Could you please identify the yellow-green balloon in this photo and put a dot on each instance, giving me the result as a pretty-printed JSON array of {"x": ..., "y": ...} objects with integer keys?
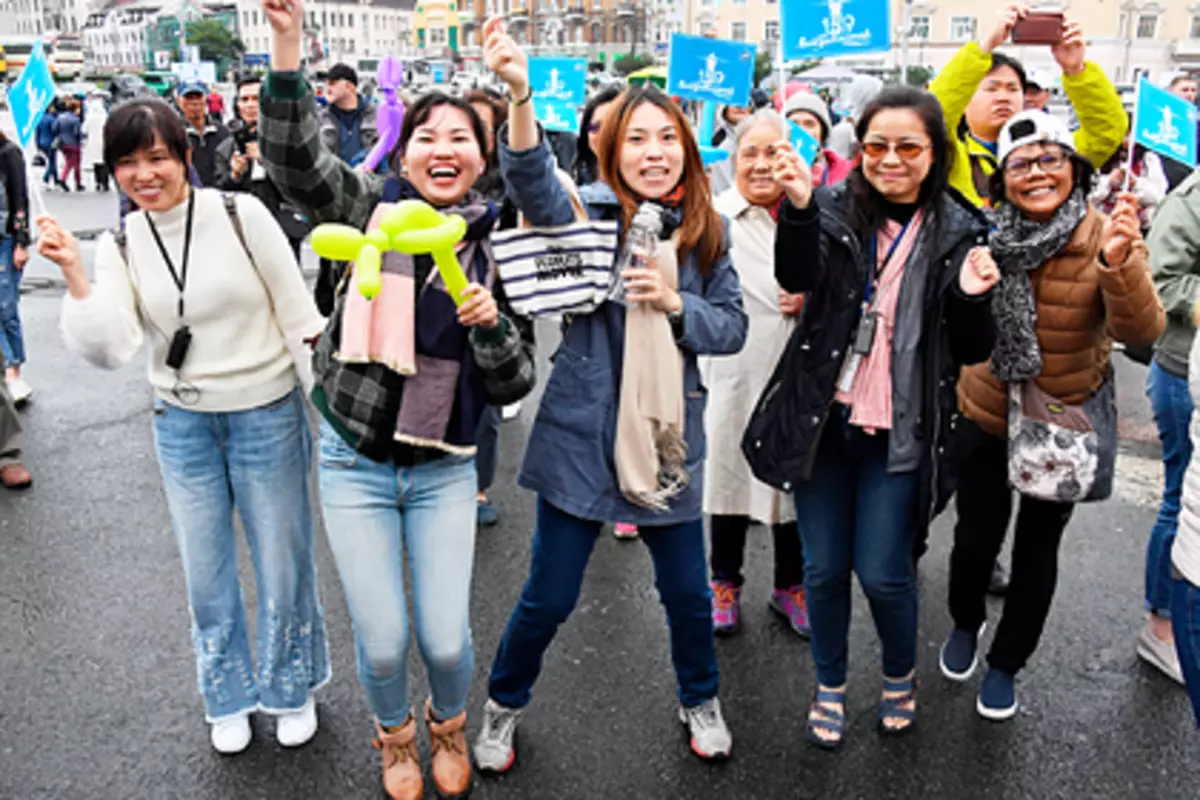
[
  {"x": 338, "y": 242},
  {"x": 367, "y": 273},
  {"x": 417, "y": 227}
]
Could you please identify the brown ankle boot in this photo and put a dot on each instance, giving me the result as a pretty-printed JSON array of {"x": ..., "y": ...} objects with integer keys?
[
  {"x": 401, "y": 762},
  {"x": 448, "y": 747}
]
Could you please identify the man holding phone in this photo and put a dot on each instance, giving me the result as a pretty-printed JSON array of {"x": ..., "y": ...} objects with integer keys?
[{"x": 980, "y": 90}]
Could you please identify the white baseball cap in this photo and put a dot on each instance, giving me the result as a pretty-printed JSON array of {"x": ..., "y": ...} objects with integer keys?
[
  {"x": 1041, "y": 78},
  {"x": 1033, "y": 127}
]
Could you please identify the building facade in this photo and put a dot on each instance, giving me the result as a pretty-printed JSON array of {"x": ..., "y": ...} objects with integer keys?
[
  {"x": 42, "y": 17},
  {"x": 600, "y": 30},
  {"x": 346, "y": 32}
]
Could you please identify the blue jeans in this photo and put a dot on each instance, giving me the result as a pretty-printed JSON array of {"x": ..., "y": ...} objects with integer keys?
[
  {"x": 12, "y": 342},
  {"x": 1172, "y": 405},
  {"x": 51, "y": 173},
  {"x": 375, "y": 513},
  {"x": 487, "y": 439},
  {"x": 1185, "y": 624},
  {"x": 855, "y": 516},
  {"x": 257, "y": 462},
  {"x": 562, "y": 545}
]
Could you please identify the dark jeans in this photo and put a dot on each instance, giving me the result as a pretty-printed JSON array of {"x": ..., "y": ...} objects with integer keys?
[
  {"x": 855, "y": 516},
  {"x": 1172, "y": 406},
  {"x": 562, "y": 545},
  {"x": 51, "y": 173},
  {"x": 100, "y": 174},
  {"x": 1185, "y": 623},
  {"x": 487, "y": 439},
  {"x": 729, "y": 548},
  {"x": 984, "y": 503}
]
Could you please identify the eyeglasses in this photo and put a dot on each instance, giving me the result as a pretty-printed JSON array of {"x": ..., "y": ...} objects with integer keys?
[
  {"x": 906, "y": 150},
  {"x": 1050, "y": 161}
]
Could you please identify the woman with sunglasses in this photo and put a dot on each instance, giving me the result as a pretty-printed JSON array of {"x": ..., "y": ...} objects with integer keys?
[
  {"x": 619, "y": 433},
  {"x": 586, "y": 171},
  {"x": 855, "y": 420},
  {"x": 1071, "y": 278}
]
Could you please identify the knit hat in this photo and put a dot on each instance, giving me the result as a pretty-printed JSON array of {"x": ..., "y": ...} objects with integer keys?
[
  {"x": 1033, "y": 127},
  {"x": 805, "y": 101}
]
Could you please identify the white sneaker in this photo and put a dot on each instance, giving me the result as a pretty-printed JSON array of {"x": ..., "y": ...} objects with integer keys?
[
  {"x": 511, "y": 411},
  {"x": 297, "y": 727},
  {"x": 711, "y": 738},
  {"x": 494, "y": 748},
  {"x": 231, "y": 735},
  {"x": 20, "y": 390},
  {"x": 1159, "y": 653}
]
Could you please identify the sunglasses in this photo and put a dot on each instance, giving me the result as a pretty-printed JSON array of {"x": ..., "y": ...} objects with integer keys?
[
  {"x": 594, "y": 127},
  {"x": 1050, "y": 161},
  {"x": 907, "y": 151}
]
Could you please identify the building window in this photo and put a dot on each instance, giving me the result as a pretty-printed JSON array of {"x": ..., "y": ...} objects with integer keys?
[
  {"x": 919, "y": 29},
  {"x": 437, "y": 36},
  {"x": 246, "y": 18},
  {"x": 1194, "y": 31},
  {"x": 771, "y": 30},
  {"x": 351, "y": 48},
  {"x": 737, "y": 31},
  {"x": 1147, "y": 26},
  {"x": 962, "y": 29}
]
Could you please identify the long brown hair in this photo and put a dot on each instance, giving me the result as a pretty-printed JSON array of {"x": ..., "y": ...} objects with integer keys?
[{"x": 702, "y": 231}]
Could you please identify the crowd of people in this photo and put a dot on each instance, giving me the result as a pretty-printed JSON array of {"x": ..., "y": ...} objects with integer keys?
[{"x": 833, "y": 350}]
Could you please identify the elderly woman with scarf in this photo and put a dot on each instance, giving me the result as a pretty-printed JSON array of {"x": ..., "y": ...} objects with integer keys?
[
  {"x": 733, "y": 498},
  {"x": 619, "y": 433},
  {"x": 1071, "y": 279},
  {"x": 401, "y": 383}
]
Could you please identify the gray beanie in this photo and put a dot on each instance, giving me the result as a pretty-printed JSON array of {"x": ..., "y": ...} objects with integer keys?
[{"x": 813, "y": 104}]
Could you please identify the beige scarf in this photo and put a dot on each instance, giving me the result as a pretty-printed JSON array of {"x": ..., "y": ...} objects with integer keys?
[{"x": 651, "y": 452}]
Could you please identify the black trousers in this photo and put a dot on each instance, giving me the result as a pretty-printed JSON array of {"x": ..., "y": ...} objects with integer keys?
[
  {"x": 729, "y": 549},
  {"x": 100, "y": 173},
  {"x": 985, "y": 504}
]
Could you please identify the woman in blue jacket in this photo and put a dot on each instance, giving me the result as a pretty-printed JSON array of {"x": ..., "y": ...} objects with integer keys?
[
  {"x": 47, "y": 130},
  {"x": 583, "y": 460}
]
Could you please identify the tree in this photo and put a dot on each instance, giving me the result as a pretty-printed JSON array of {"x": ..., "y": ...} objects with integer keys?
[
  {"x": 764, "y": 65},
  {"x": 628, "y": 64},
  {"x": 215, "y": 41},
  {"x": 919, "y": 76}
]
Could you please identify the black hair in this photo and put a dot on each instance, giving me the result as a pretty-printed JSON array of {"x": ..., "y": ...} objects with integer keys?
[
  {"x": 1178, "y": 79},
  {"x": 1082, "y": 171},
  {"x": 342, "y": 72},
  {"x": 868, "y": 201},
  {"x": 1000, "y": 61},
  {"x": 132, "y": 125},
  {"x": 420, "y": 112},
  {"x": 585, "y": 158},
  {"x": 246, "y": 80}
]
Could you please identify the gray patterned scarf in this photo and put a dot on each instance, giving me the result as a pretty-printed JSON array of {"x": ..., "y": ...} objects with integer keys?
[{"x": 1021, "y": 245}]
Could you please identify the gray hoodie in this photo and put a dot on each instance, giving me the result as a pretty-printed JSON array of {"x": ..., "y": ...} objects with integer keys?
[{"x": 850, "y": 104}]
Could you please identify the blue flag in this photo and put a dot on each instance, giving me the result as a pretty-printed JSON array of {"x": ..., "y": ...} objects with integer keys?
[
  {"x": 1165, "y": 124},
  {"x": 822, "y": 28},
  {"x": 804, "y": 143},
  {"x": 555, "y": 116},
  {"x": 559, "y": 80},
  {"x": 712, "y": 70},
  {"x": 31, "y": 94}
]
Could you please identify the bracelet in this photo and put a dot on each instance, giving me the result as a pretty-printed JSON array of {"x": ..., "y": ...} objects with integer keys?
[{"x": 528, "y": 96}]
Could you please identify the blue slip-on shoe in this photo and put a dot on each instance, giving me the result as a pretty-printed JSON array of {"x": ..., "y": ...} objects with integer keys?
[
  {"x": 960, "y": 654},
  {"x": 486, "y": 513},
  {"x": 998, "y": 697}
]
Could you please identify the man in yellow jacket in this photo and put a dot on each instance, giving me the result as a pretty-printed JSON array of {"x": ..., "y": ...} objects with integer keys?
[{"x": 980, "y": 90}]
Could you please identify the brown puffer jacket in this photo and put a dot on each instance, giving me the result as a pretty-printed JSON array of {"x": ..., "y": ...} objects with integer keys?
[{"x": 1080, "y": 305}]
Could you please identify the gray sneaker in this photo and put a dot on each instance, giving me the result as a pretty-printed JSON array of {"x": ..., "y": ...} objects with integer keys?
[
  {"x": 711, "y": 739},
  {"x": 494, "y": 748},
  {"x": 1159, "y": 653}
]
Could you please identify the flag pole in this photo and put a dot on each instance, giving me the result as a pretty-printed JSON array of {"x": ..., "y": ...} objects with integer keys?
[{"x": 1137, "y": 102}]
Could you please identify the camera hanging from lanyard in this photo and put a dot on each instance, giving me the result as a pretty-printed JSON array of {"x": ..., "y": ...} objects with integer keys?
[
  {"x": 868, "y": 322},
  {"x": 182, "y": 340}
]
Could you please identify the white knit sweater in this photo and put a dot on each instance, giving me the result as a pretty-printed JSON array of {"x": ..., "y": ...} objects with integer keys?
[
  {"x": 245, "y": 323},
  {"x": 1185, "y": 553}
]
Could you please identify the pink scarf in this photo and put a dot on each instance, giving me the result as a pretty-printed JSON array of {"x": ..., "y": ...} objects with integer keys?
[{"x": 870, "y": 396}]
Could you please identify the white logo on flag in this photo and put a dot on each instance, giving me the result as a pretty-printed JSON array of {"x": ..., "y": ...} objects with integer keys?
[
  {"x": 1168, "y": 134},
  {"x": 710, "y": 79},
  {"x": 36, "y": 102},
  {"x": 839, "y": 29},
  {"x": 555, "y": 88}
]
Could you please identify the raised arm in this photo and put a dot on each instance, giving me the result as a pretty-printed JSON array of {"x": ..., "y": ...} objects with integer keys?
[
  {"x": 305, "y": 171},
  {"x": 798, "y": 262},
  {"x": 1103, "y": 122},
  {"x": 955, "y": 85}
]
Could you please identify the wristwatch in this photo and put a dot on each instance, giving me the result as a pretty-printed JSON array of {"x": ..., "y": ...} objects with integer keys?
[{"x": 676, "y": 320}]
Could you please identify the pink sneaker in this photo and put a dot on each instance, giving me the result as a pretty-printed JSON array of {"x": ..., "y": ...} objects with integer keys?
[
  {"x": 794, "y": 608},
  {"x": 624, "y": 530},
  {"x": 726, "y": 608}
]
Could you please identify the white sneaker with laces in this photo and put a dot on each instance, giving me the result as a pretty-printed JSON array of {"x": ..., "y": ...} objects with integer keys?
[
  {"x": 20, "y": 390},
  {"x": 231, "y": 735},
  {"x": 1159, "y": 653},
  {"x": 711, "y": 738},
  {"x": 297, "y": 727},
  {"x": 494, "y": 748}
]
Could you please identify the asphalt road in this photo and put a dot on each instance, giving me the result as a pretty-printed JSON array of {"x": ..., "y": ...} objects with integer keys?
[{"x": 98, "y": 695}]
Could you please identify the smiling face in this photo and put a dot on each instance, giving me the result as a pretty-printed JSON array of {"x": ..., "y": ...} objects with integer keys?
[
  {"x": 997, "y": 99},
  {"x": 651, "y": 153},
  {"x": 443, "y": 159},
  {"x": 152, "y": 177},
  {"x": 1038, "y": 178},
  {"x": 752, "y": 168},
  {"x": 897, "y": 154}
]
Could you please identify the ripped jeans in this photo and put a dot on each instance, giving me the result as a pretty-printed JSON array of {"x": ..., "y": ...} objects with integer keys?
[{"x": 258, "y": 462}]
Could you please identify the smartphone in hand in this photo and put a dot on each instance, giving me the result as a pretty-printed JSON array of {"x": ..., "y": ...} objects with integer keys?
[{"x": 1039, "y": 27}]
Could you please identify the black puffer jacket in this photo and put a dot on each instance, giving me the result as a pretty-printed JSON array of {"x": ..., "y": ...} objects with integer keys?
[{"x": 820, "y": 253}]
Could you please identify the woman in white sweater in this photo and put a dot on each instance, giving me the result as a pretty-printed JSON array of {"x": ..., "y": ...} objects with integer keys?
[
  {"x": 213, "y": 286},
  {"x": 1185, "y": 552}
]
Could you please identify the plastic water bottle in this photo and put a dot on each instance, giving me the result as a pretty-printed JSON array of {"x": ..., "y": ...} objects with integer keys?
[{"x": 641, "y": 242}]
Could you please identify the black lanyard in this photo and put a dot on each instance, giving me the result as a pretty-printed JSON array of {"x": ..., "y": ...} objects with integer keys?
[
  {"x": 878, "y": 269},
  {"x": 179, "y": 277}
]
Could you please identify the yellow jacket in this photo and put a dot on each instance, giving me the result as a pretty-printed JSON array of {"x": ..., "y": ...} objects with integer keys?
[{"x": 1103, "y": 122}]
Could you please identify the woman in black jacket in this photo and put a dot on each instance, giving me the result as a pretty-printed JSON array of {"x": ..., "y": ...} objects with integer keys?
[{"x": 854, "y": 421}]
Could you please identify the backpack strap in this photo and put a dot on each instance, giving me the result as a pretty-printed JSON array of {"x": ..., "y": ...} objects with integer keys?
[{"x": 236, "y": 220}]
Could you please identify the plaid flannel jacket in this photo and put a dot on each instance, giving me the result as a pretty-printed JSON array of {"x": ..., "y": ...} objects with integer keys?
[{"x": 359, "y": 399}]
